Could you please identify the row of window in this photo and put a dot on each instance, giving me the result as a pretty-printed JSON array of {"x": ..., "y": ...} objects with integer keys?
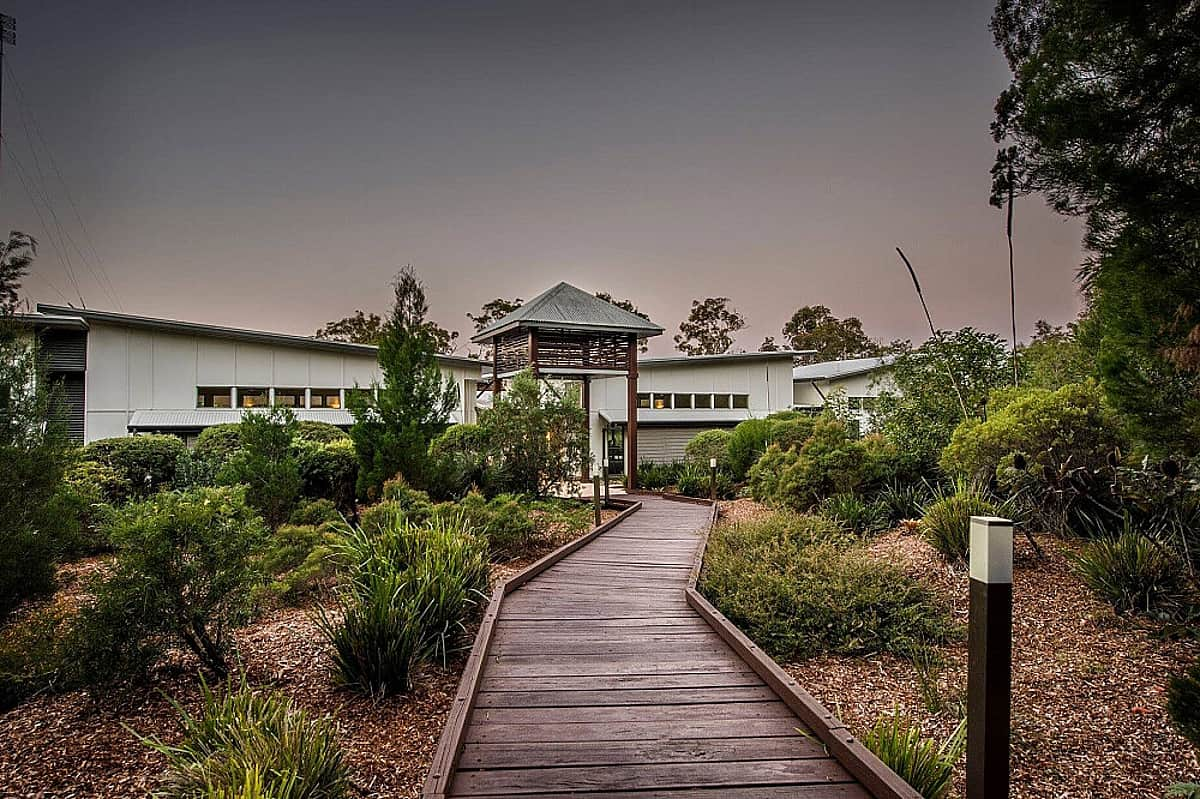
[
  {"x": 258, "y": 397},
  {"x": 662, "y": 401}
]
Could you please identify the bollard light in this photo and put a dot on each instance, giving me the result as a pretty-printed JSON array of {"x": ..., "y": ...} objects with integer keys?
[
  {"x": 712, "y": 479},
  {"x": 989, "y": 658}
]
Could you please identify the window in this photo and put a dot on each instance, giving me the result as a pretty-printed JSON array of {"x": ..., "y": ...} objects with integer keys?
[
  {"x": 213, "y": 397},
  {"x": 252, "y": 397},
  {"x": 643, "y": 400},
  {"x": 721, "y": 401},
  {"x": 703, "y": 401},
  {"x": 289, "y": 397},
  {"x": 741, "y": 401},
  {"x": 326, "y": 398},
  {"x": 683, "y": 400},
  {"x": 861, "y": 403},
  {"x": 660, "y": 401}
]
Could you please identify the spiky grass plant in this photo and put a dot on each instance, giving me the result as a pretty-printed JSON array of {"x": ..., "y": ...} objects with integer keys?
[
  {"x": 946, "y": 522},
  {"x": 855, "y": 514},
  {"x": 246, "y": 744},
  {"x": 1135, "y": 573},
  {"x": 921, "y": 762}
]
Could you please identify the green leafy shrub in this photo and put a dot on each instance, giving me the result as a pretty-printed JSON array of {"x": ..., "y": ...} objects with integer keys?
[
  {"x": 657, "y": 476},
  {"x": 1047, "y": 427},
  {"x": 946, "y": 522},
  {"x": 299, "y": 560},
  {"x": 412, "y": 500},
  {"x": 502, "y": 521},
  {"x": 320, "y": 432},
  {"x": 695, "y": 480},
  {"x": 193, "y": 471},
  {"x": 409, "y": 593},
  {"x": 265, "y": 464},
  {"x": 185, "y": 566},
  {"x": 459, "y": 463},
  {"x": 921, "y": 762},
  {"x": 1183, "y": 704},
  {"x": 855, "y": 514},
  {"x": 315, "y": 512},
  {"x": 32, "y": 654},
  {"x": 374, "y": 518},
  {"x": 328, "y": 471},
  {"x": 249, "y": 744},
  {"x": 799, "y": 587},
  {"x": 145, "y": 462},
  {"x": 81, "y": 513},
  {"x": 98, "y": 481},
  {"x": 707, "y": 445},
  {"x": 1134, "y": 573},
  {"x": 218, "y": 443},
  {"x": 789, "y": 430},
  {"x": 747, "y": 442}
]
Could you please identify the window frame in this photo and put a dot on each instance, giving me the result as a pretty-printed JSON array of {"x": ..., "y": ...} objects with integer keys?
[
  {"x": 245, "y": 391},
  {"x": 213, "y": 392}
]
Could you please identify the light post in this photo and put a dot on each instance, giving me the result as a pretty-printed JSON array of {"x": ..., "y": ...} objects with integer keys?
[
  {"x": 712, "y": 479},
  {"x": 989, "y": 658}
]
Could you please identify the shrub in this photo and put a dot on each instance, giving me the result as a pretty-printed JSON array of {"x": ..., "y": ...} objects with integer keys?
[
  {"x": 409, "y": 593},
  {"x": 855, "y": 514},
  {"x": 31, "y": 526},
  {"x": 747, "y": 443},
  {"x": 1134, "y": 573},
  {"x": 265, "y": 464},
  {"x": 1048, "y": 427},
  {"x": 695, "y": 480},
  {"x": 799, "y": 588},
  {"x": 904, "y": 500},
  {"x": 790, "y": 430},
  {"x": 298, "y": 557},
  {"x": 921, "y": 762},
  {"x": 410, "y": 499},
  {"x": 217, "y": 444},
  {"x": 32, "y": 656},
  {"x": 329, "y": 471},
  {"x": 249, "y": 744},
  {"x": 458, "y": 462},
  {"x": 81, "y": 514},
  {"x": 146, "y": 462},
  {"x": 1183, "y": 704},
  {"x": 185, "y": 565},
  {"x": 315, "y": 512},
  {"x": 375, "y": 518},
  {"x": 320, "y": 432},
  {"x": 657, "y": 476},
  {"x": 946, "y": 522},
  {"x": 708, "y": 445},
  {"x": 502, "y": 521},
  {"x": 96, "y": 480}
]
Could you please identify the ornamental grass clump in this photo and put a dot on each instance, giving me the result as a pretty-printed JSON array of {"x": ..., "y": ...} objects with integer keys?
[
  {"x": 855, "y": 514},
  {"x": 921, "y": 762},
  {"x": 1135, "y": 573},
  {"x": 946, "y": 523},
  {"x": 245, "y": 744}
]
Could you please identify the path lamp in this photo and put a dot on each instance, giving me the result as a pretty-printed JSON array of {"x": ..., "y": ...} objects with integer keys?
[
  {"x": 712, "y": 479},
  {"x": 604, "y": 475},
  {"x": 596, "y": 495},
  {"x": 989, "y": 658}
]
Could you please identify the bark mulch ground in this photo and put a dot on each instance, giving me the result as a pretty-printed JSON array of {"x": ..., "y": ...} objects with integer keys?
[
  {"x": 75, "y": 745},
  {"x": 1089, "y": 687}
]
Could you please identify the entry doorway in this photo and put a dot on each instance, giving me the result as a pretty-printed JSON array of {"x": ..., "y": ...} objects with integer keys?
[{"x": 614, "y": 448}]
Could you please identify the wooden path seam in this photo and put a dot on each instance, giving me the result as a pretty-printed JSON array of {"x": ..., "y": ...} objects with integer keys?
[{"x": 600, "y": 671}]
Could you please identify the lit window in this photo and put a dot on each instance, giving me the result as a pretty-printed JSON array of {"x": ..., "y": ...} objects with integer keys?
[
  {"x": 213, "y": 397},
  {"x": 741, "y": 401},
  {"x": 643, "y": 400},
  {"x": 703, "y": 401},
  {"x": 289, "y": 397},
  {"x": 661, "y": 401},
  {"x": 721, "y": 401},
  {"x": 326, "y": 398},
  {"x": 252, "y": 397},
  {"x": 683, "y": 400}
]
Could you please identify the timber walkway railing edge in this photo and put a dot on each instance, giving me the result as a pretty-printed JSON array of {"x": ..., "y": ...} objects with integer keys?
[
  {"x": 445, "y": 760},
  {"x": 861, "y": 762}
]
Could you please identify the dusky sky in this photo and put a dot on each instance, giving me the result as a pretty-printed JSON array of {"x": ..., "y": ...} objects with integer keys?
[{"x": 270, "y": 164}]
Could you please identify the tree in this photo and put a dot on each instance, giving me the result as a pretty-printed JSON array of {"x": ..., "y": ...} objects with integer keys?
[
  {"x": 34, "y": 448},
  {"x": 265, "y": 464},
  {"x": 627, "y": 305},
  {"x": 1100, "y": 118},
  {"x": 492, "y": 311},
  {"x": 369, "y": 328},
  {"x": 1055, "y": 356},
  {"x": 920, "y": 414},
  {"x": 768, "y": 345},
  {"x": 709, "y": 328},
  {"x": 396, "y": 420},
  {"x": 535, "y": 442},
  {"x": 813, "y": 327},
  {"x": 357, "y": 329}
]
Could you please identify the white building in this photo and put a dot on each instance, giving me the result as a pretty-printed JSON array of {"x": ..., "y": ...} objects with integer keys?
[
  {"x": 125, "y": 374},
  {"x": 681, "y": 396},
  {"x": 857, "y": 381}
]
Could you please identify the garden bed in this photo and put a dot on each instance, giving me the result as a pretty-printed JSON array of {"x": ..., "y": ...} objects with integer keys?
[{"x": 1089, "y": 687}]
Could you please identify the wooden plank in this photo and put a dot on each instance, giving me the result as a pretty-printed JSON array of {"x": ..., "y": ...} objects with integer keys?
[
  {"x": 510, "y": 782},
  {"x": 839, "y": 791},
  {"x": 599, "y": 753},
  {"x": 629, "y": 730},
  {"x": 596, "y": 714},
  {"x": 635, "y": 696},
  {"x": 568, "y": 682}
]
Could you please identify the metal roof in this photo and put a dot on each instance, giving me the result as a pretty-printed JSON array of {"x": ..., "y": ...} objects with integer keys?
[
  {"x": 199, "y": 418},
  {"x": 564, "y": 307},
  {"x": 721, "y": 416},
  {"x": 678, "y": 360},
  {"x": 233, "y": 333},
  {"x": 835, "y": 370},
  {"x": 44, "y": 320}
]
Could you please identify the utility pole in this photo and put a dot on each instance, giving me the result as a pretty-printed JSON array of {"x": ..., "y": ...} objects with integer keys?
[{"x": 8, "y": 35}]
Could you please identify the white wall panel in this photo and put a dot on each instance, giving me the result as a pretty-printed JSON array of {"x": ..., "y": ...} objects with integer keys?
[
  {"x": 108, "y": 388},
  {"x": 291, "y": 367},
  {"x": 215, "y": 362},
  {"x": 140, "y": 377},
  {"x": 254, "y": 365},
  {"x": 174, "y": 371},
  {"x": 325, "y": 369}
]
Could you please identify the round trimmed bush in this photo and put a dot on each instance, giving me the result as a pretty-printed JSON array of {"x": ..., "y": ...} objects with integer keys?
[
  {"x": 747, "y": 443},
  {"x": 99, "y": 481},
  {"x": 320, "y": 432},
  {"x": 708, "y": 445},
  {"x": 219, "y": 443},
  {"x": 146, "y": 462}
]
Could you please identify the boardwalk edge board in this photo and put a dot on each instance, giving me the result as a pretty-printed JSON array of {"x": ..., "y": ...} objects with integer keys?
[
  {"x": 450, "y": 745},
  {"x": 861, "y": 762}
]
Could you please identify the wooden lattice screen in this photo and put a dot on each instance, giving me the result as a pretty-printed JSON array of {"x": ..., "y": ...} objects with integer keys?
[{"x": 561, "y": 349}]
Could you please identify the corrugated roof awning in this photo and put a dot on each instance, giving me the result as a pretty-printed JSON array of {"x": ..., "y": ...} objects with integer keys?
[
  {"x": 194, "y": 418},
  {"x": 673, "y": 416}
]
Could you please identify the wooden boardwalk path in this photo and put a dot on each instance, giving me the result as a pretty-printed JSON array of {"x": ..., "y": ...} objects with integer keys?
[{"x": 601, "y": 680}]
